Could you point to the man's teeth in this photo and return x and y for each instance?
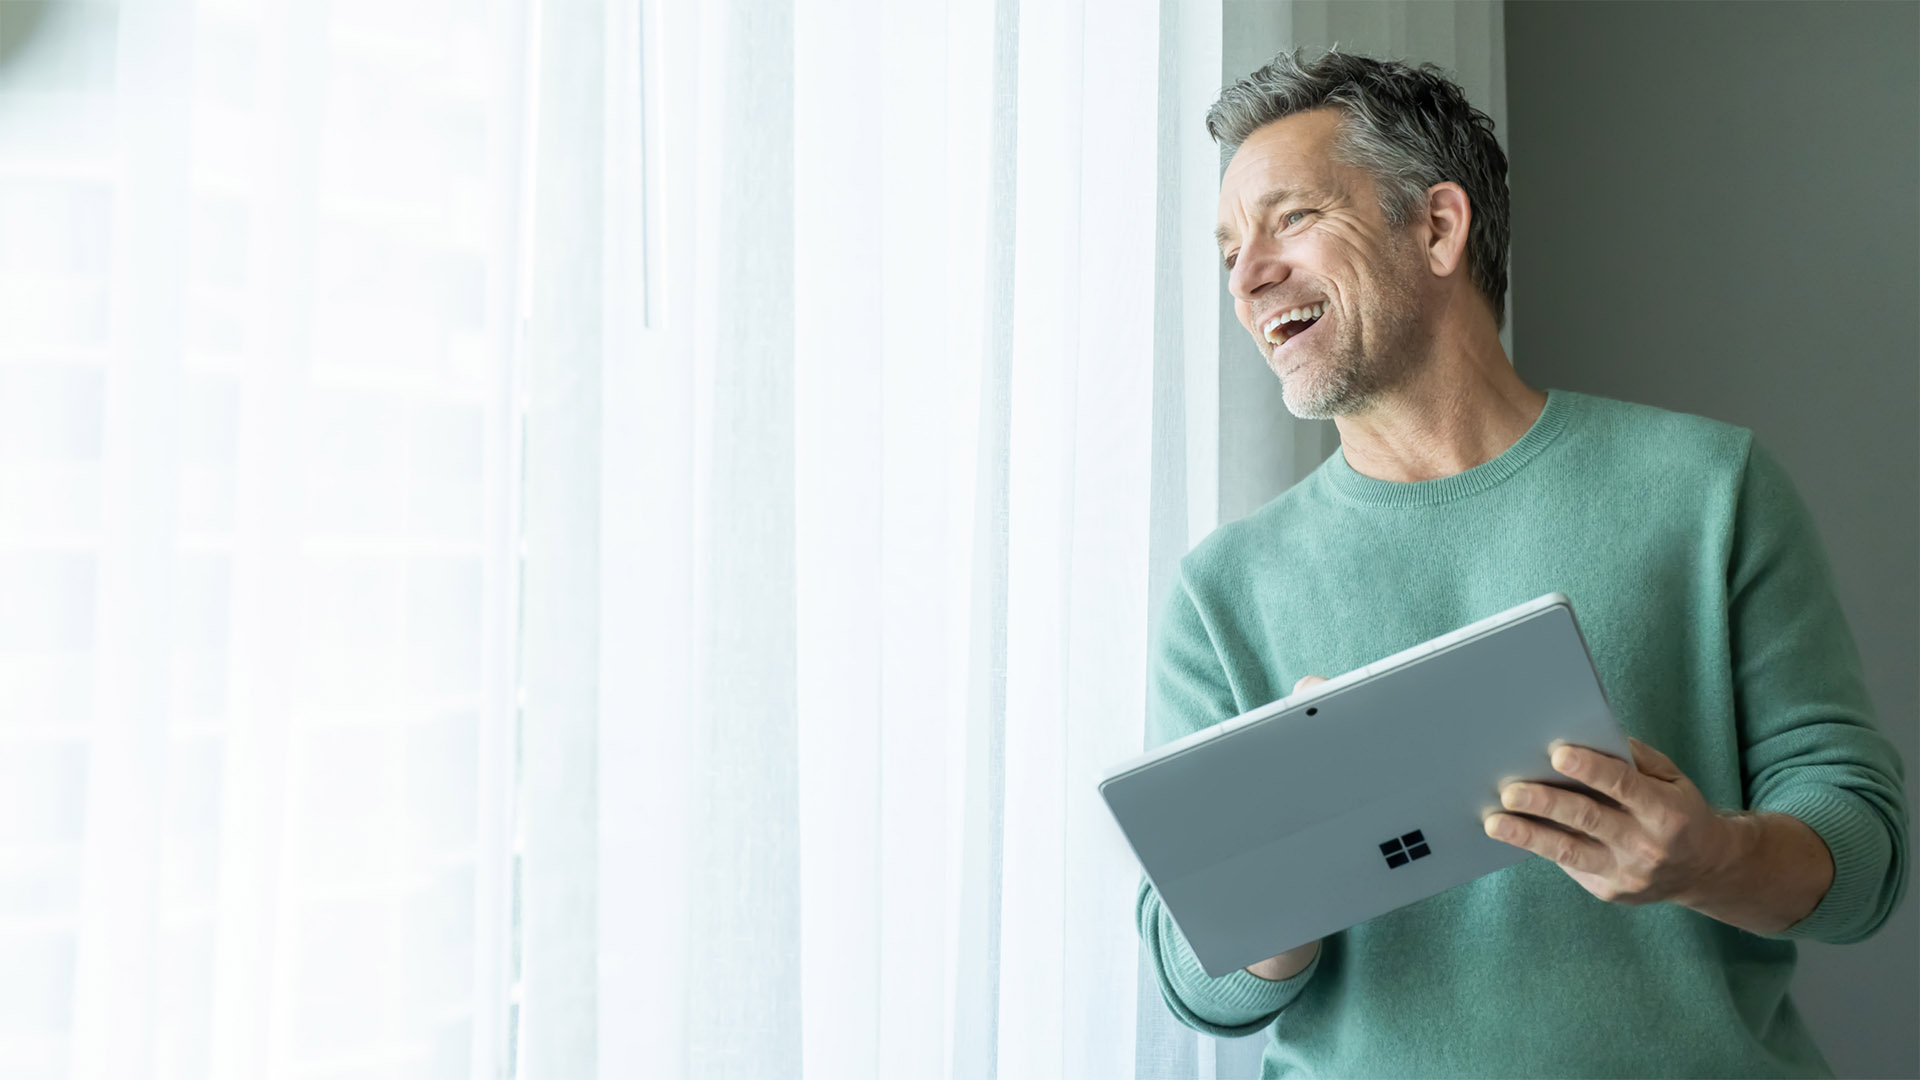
(1296, 315)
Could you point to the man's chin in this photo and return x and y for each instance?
(1310, 388)
(1316, 399)
(1314, 411)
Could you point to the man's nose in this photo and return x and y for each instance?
(1256, 267)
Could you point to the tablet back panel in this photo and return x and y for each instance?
(1278, 827)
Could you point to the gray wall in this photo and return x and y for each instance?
(1716, 209)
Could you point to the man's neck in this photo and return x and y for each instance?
(1445, 419)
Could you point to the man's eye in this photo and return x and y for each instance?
(1289, 219)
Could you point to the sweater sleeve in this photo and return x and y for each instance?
(1808, 742)
(1236, 1004)
(1187, 690)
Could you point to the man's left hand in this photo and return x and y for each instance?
(1661, 841)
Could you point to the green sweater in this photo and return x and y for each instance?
(1709, 606)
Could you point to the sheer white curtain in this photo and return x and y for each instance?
(685, 482)
(255, 571)
(856, 457)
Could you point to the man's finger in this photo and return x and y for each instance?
(1570, 851)
(1572, 810)
(1653, 762)
(1598, 770)
(1306, 681)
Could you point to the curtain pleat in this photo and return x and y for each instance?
(254, 346)
(877, 494)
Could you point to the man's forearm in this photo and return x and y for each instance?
(1777, 871)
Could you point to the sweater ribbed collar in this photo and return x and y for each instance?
(1401, 493)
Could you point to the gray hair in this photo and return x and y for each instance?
(1408, 127)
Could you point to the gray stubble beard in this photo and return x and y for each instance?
(1355, 382)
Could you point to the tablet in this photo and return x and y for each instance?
(1364, 793)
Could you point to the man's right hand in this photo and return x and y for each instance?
(1293, 961)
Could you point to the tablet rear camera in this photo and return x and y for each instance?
(1312, 710)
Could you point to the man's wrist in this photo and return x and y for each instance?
(1740, 838)
(1772, 872)
(1286, 965)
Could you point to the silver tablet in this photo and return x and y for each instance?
(1363, 794)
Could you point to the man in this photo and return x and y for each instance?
(1363, 224)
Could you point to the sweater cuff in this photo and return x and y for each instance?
(1234, 1000)
(1860, 849)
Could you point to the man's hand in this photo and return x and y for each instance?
(1661, 841)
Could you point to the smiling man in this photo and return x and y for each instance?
(1363, 227)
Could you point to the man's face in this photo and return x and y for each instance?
(1297, 229)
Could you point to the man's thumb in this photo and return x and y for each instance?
(1306, 681)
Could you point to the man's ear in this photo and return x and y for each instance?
(1449, 214)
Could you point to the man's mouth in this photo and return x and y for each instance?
(1288, 325)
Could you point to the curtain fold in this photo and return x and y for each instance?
(254, 360)
(876, 506)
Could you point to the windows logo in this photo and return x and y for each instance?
(1405, 849)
